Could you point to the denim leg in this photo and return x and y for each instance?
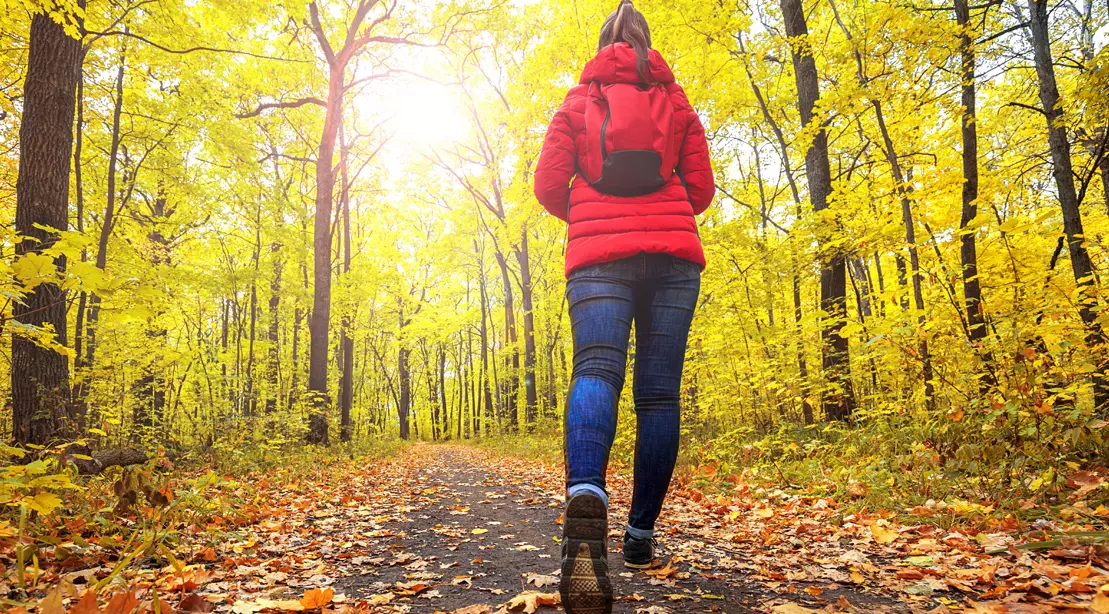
(666, 301)
(601, 310)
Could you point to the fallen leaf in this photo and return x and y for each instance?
(87, 604)
(882, 535)
(380, 599)
(317, 598)
(1101, 600)
(477, 608)
(791, 608)
(193, 603)
(52, 603)
(530, 601)
(122, 603)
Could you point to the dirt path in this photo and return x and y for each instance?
(443, 527)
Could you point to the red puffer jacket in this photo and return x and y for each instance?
(605, 227)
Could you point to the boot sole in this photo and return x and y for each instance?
(584, 586)
(639, 565)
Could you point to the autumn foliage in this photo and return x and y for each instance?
(270, 225)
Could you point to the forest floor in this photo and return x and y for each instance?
(445, 528)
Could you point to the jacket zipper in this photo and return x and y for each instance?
(604, 130)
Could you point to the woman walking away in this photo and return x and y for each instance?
(626, 164)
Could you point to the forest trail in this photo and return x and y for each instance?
(441, 528)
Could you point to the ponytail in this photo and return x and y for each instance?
(627, 25)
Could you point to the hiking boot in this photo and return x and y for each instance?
(584, 587)
(639, 553)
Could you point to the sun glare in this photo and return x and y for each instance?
(423, 113)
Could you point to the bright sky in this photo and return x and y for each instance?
(422, 113)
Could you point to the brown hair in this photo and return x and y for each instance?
(627, 25)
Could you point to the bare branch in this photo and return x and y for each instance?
(281, 105)
(190, 49)
(321, 36)
(1026, 106)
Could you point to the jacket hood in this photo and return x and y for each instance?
(617, 64)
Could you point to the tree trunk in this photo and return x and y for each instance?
(109, 211)
(522, 257)
(346, 342)
(1105, 180)
(251, 403)
(512, 360)
(1068, 197)
(968, 252)
(150, 393)
(901, 185)
(79, 390)
(446, 431)
(321, 292)
(404, 402)
(486, 392)
(839, 403)
(273, 367)
(40, 375)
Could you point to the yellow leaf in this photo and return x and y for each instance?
(882, 535)
(1101, 600)
(380, 599)
(43, 503)
(479, 531)
(33, 269)
(791, 608)
(52, 603)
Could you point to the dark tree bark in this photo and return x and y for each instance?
(798, 311)
(1105, 180)
(1063, 172)
(968, 251)
(485, 390)
(40, 376)
(150, 390)
(446, 431)
(531, 396)
(79, 394)
(320, 320)
(346, 342)
(839, 403)
(273, 360)
(108, 223)
(512, 360)
(901, 181)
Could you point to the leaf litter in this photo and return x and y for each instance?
(380, 538)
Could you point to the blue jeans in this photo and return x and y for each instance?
(659, 293)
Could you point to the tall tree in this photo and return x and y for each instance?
(968, 252)
(839, 402)
(1063, 171)
(40, 374)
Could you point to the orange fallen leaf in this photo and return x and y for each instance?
(193, 603)
(663, 573)
(531, 601)
(317, 598)
(87, 604)
(122, 603)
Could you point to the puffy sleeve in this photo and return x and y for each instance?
(556, 166)
(694, 163)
